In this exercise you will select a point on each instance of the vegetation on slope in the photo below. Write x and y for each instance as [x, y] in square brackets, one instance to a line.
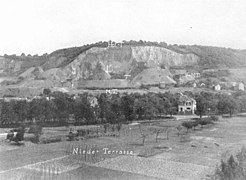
[210, 57]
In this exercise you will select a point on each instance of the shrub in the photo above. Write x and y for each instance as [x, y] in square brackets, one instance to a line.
[195, 124]
[71, 136]
[214, 118]
[30, 137]
[187, 124]
[179, 128]
[232, 169]
[47, 140]
[19, 136]
[205, 121]
[35, 129]
[82, 132]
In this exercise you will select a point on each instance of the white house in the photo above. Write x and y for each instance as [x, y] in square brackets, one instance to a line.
[202, 85]
[241, 86]
[187, 105]
[217, 87]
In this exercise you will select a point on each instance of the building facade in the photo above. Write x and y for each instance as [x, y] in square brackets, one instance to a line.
[217, 87]
[241, 86]
[187, 105]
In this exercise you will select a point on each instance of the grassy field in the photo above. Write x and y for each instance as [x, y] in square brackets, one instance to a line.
[188, 156]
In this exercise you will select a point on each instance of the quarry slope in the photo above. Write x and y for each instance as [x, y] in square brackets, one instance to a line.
[122, 60]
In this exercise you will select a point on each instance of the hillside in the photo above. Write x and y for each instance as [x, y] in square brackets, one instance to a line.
[68, 66]
[215, 57]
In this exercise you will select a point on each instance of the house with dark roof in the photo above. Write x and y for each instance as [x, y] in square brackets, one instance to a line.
[153, 77]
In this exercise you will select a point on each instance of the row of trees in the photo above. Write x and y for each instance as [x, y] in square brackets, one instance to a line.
[216, 103]
[112, 108]
[57, 108]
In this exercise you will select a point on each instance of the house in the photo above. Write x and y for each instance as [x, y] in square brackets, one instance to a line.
[193, 73]
[111, 91]
[217, 87]
[241, 86]
[202, 85]
[186, 105]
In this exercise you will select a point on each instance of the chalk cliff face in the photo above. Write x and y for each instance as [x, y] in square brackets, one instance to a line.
[122, 60]
[9, 66]
[96, 63]
[157, 55]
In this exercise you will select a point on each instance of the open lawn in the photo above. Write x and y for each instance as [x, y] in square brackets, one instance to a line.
[188, 156]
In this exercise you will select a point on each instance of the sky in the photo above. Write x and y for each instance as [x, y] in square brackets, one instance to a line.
[43, 26]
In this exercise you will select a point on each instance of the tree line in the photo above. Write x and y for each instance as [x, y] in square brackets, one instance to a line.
[58, 109]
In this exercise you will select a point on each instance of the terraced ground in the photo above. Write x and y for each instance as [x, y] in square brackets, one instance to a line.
[192, 158]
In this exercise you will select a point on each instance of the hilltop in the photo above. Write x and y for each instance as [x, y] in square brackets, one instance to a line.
[104, 61]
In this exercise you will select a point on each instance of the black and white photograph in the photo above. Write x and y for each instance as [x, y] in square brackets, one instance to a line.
[122, 89]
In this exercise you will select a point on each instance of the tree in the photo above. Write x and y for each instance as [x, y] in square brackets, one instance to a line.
[63, 106]
[82, 110]
[202, 105]
[144, 133]
[128, 107]
[187, 124]
[179, 128]
[227, 104]
[46, 91]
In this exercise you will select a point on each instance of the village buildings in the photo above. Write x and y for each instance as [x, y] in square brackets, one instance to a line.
[184, 76]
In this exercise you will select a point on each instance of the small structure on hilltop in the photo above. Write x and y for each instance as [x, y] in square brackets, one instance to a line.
[187, 105]
[114, 44]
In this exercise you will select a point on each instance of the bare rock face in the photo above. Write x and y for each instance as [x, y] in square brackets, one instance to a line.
[9, 66]
[96, 63]
[120, 60]
[157, 55]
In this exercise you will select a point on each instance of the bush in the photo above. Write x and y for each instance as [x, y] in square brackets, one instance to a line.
[195, 124]
[214, 118]
[82, 132]
[232, 169]
[47, 140]
[30, 137]
[71, 136]
[35, 129]
[205, 121]
[187, 124]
